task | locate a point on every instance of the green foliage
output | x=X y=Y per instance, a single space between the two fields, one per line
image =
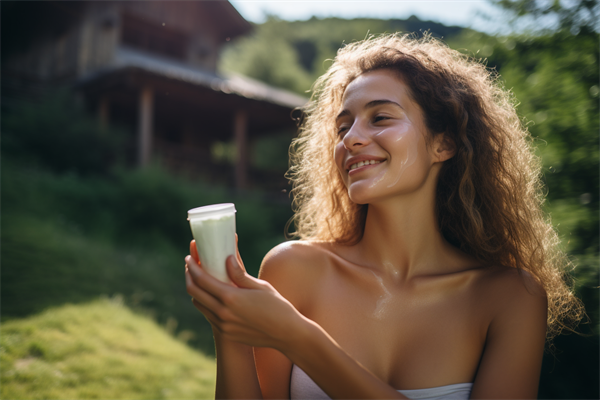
x=68 y=239
x=270 y=153
x=140 y=208
x=57 y=133
x=573 y=16
x=48 y=260
x=99 y=350
x=292 y=55
x=555 y=78
x=262 y=56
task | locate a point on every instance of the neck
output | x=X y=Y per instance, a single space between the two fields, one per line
x=402 y=238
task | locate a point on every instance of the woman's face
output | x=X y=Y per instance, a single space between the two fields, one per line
x=381 y=149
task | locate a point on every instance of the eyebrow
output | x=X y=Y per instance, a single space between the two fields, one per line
x=370 y=104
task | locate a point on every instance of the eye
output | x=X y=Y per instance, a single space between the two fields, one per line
x=342 y=129
x=379 y=118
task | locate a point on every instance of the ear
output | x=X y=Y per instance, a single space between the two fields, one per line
x=443 y=147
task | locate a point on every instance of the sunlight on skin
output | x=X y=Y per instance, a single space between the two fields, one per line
x=383 y=123
x=412 y=151
x=383 y=301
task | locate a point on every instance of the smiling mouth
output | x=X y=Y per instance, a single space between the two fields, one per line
x=362 y=164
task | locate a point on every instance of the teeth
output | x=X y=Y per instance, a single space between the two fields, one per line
x=363 y=163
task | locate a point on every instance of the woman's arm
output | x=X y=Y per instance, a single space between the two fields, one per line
x=512 y=359
x=236 y=372
x=256 y=314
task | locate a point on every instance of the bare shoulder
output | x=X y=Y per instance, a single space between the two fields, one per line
x=294 y=268
x=511 y=362
x=293 y=257
x=513 y=295
x=511 y=283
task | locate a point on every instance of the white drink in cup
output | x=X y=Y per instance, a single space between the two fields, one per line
x=213 y=228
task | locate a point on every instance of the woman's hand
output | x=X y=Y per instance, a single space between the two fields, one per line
x=249 y=310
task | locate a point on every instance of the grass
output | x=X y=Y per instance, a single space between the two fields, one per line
x=99 y=350
x=48 y=264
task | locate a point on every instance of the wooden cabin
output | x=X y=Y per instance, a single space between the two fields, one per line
x=151 y=66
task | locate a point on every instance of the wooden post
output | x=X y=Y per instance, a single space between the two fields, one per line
x=104 y=111
x=85 y=46
x=145 y=119
x=240 y=131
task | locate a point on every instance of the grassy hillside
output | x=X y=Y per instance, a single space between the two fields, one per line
x=99 y=350
x=68 y=238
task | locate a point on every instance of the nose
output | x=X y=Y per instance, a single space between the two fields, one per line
x=356 y=137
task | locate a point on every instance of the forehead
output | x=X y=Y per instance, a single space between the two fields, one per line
x=376 y=85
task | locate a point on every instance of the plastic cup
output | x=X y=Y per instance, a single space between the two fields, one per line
x=213 y=228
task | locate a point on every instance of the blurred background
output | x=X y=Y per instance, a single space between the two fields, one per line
x=118 y=117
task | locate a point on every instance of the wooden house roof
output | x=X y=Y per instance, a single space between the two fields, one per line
x=126 y=58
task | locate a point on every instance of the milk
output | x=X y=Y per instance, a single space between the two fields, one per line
x=213 y=228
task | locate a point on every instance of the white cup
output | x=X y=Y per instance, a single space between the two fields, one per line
x=213 y=228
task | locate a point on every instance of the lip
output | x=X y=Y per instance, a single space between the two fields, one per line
x=364 y=167
x=359 y=158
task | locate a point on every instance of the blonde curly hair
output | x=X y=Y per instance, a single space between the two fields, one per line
x=489 y=195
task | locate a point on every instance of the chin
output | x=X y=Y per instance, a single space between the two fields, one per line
x=361 y=195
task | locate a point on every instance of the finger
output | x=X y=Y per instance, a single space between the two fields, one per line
x=237 y=254
x=194 y=251
x=201 y=296
x=207 y=282
x=192 y=264
x=210 y=316
x=238 y=275
x=214 y=322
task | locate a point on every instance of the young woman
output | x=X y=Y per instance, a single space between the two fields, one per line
x=425 y=269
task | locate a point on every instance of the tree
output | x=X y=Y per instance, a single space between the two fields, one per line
x=571 y=15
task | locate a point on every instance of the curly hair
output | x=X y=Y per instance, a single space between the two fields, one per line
x=489 y=195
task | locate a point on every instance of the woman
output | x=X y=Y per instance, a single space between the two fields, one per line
x=425 y=268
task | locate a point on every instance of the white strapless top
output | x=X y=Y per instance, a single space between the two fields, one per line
x=302 y=387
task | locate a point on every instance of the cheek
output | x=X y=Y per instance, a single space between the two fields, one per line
x=404 y=147
x=400 y=142
x=338 y=156
x=393 y=135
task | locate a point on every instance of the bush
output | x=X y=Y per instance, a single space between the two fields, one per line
x=67 y=238
x=57 y=133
